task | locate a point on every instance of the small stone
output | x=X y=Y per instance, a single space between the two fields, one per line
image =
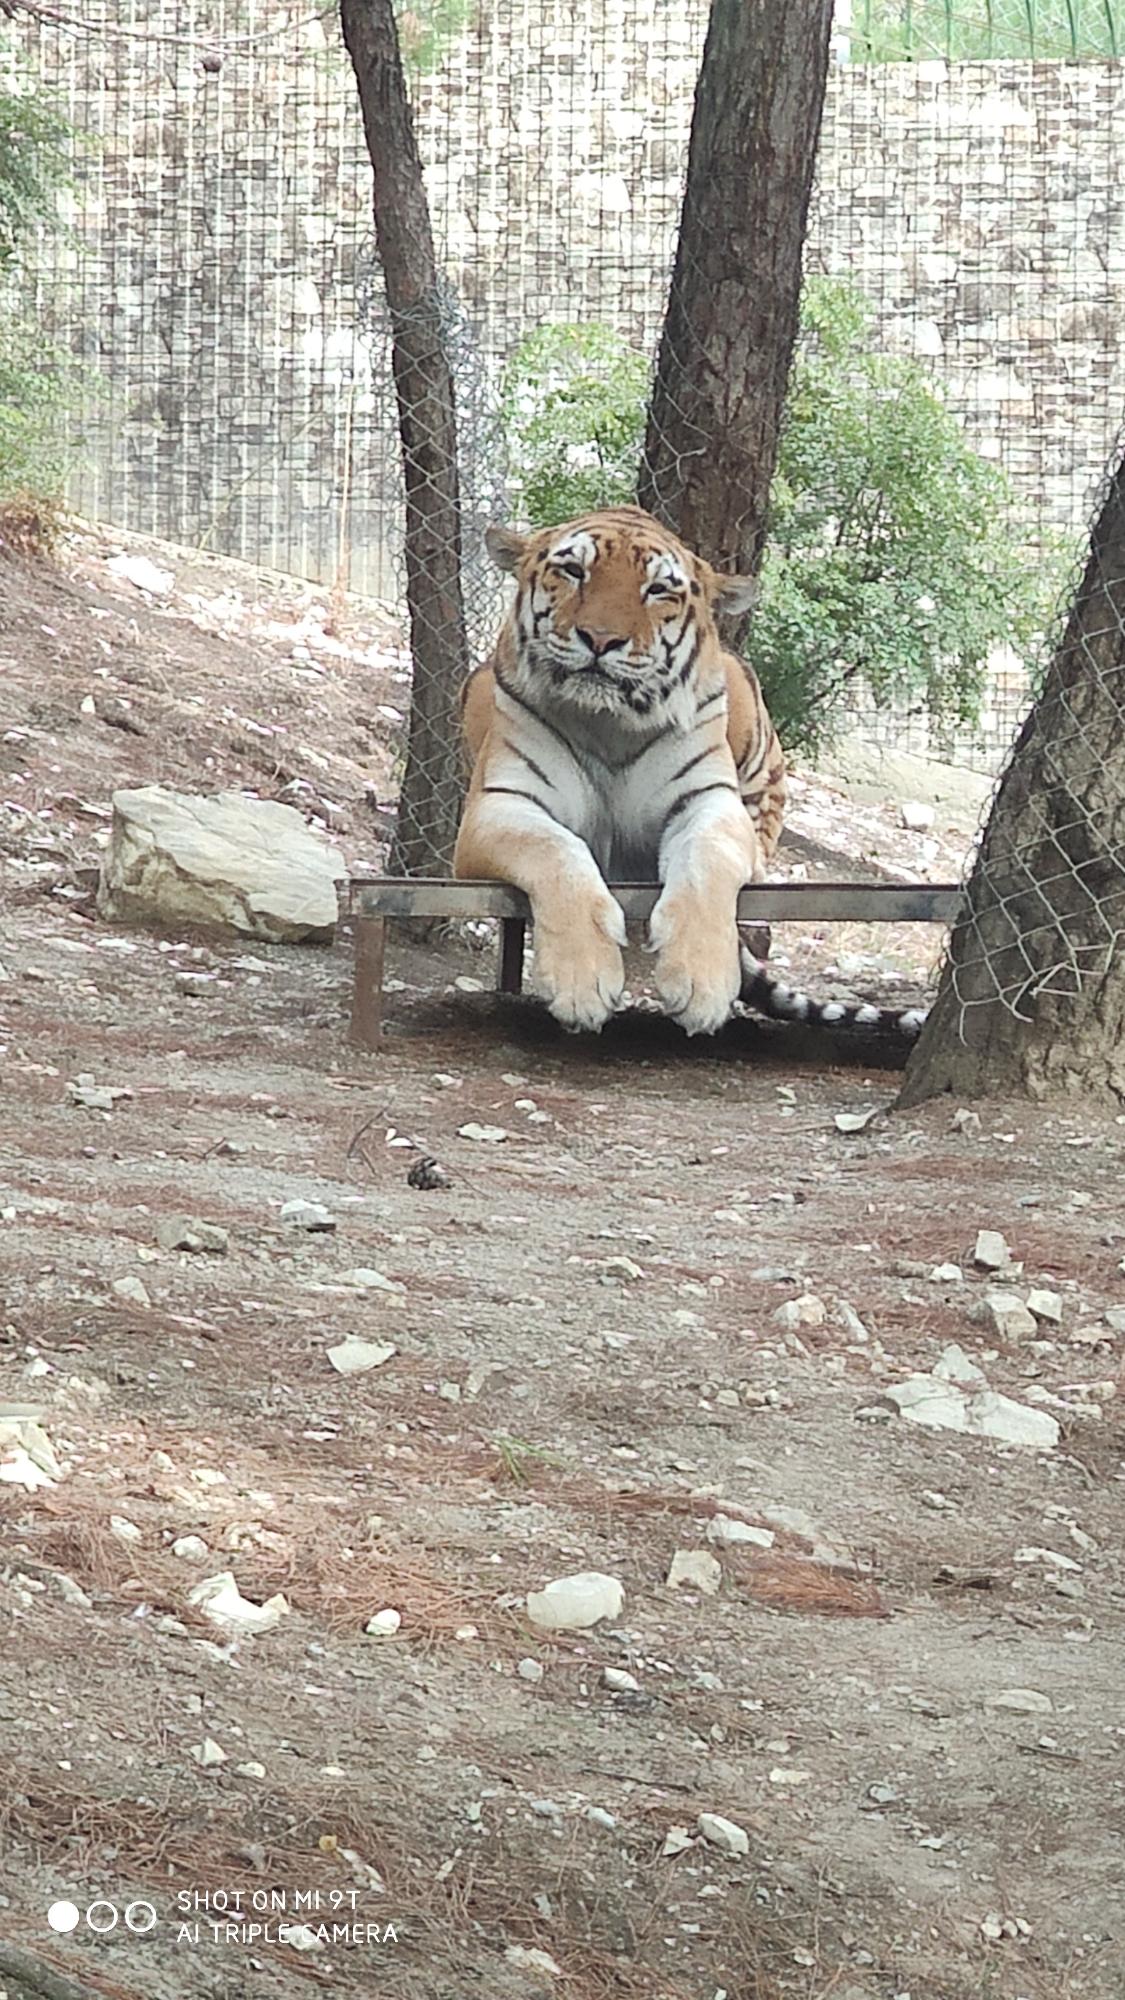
x=1025 y=1701
x=623 y=1268
x=484 y=1135
x=530 y=1670
x=854 y=1121
x=677 y=1840
x=947 y=1274
x=1115 y=1319
x=310 y=1215
x=808 y=1310
x=142 y=573
x=1046 y=1306
x=72 y=1593
x=598 y=1816
x=725 y=1834
x=619 y=1682
x=384 y=1624
x=251 y=1770
x=916 y=816
x=967 y=1123
x=302 y=1937
x=573 y=1603
x=427 y=1174
x=882 y=1795
x=726 y=1528
x=696 y=1569
x=355 y=1357
x=180 y=1232
x=125 y=1531
x=936 y=1501
x=1009 y=1316
x=363 y=1279
x=220 y=1600
x=782 y=1774
x=990 y=1251
x=528 y=1958
x=132 y=1289
x=207 y=1753
x=190 y=1548
x=1050 y=1558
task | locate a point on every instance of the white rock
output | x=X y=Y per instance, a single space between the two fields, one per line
x=995 y=1416
x=530 y=1959
x=354 y=1357
x=485 y=1135
x=1009 y=1316
x=854 y=1121
x=220 y=1600
x=1025 y=1701
x=311 y=1215
x=619 y=1682
x=725 y=1528
x=1046 y=1306
x=725 y=1834
x=207 y=1753
x=1050 y=1558
x=246 y=864
x=677 y=1840
x=783 y=1774
x=572 y=1603
x=142 y=574
x=947 y=1274
x=251 y=1770
x=384 y=1624
x=125 y=1531
x=695 y=1569
x=916 y=817
x=990 y=1251
x=954 y=1365
x=302 y=1937
x=26 y=1455
x=132 y=1289
x=363 y=1279
x=1115 y=1319
x=190 y=1548
x=808 y=1310
x=530 y=1670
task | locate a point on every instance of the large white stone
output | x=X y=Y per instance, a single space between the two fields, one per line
x=230 y=860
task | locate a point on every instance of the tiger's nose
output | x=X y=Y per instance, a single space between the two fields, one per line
x=598 y=639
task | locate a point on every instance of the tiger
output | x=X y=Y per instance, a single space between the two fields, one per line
x=611 y=737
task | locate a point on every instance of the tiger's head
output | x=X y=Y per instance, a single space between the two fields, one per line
x=613 y=614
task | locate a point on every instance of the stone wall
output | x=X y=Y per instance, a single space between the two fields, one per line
x=219 y=273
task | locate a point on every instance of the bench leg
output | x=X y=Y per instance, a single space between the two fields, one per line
x=366 y=1029
x=512 y=933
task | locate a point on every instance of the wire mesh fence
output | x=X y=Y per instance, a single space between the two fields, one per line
x=219 y=275
x=1044 y=913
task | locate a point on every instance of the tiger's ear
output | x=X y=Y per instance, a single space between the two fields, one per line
x=505 y=547
x=734 y=594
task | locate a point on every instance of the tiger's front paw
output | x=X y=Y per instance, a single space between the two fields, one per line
x=579 y=970
x=698 y=973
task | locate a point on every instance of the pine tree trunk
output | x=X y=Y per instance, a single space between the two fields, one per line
x=430 y=800
x=1032 y=996
x=731 y=321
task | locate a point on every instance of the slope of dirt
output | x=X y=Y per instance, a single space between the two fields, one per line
x=587 y=1367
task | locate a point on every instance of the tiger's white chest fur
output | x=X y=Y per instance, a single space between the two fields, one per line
x=613 y=784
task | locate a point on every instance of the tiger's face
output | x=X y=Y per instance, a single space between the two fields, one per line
x=614 y=614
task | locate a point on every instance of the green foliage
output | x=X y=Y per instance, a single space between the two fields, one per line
x=889 y=566
x=36 y=380
x=574 y=414
x=982 y=30
x=425 y=30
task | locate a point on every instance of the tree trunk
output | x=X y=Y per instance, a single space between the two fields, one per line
x=1032 y=996
x=430 y=800
x=731 y=321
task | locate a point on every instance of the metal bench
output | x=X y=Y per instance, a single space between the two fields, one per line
x=372 y=901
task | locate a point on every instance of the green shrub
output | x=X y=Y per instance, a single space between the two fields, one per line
x=37 y=383
x=890 y=563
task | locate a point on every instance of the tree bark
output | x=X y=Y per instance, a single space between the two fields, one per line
x=1032 y=996
x=715 y=413
x=432 y=786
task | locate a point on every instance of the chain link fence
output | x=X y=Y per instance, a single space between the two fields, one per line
x=967 y=239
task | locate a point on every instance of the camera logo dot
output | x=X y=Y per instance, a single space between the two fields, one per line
x=64 y=1916
x=102 y=1917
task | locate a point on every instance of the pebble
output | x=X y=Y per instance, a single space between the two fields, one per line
x=363 y=1279
x=484 y=1135
x=1115 y=1319
x=1025 y=1701
x=530 y=1670
x=916 y=816
x=1050 y=1558
x=573 y=1603
x=72 y=1593
x=528 y=1958
x=1008 y=1316
x=311 y=1215
x=725 y=1834
x=207 y=1753
x=190 y=1548
x=947 y=1274
x=384 y=1625
x=990 y=1251
x=1046 y=1306
x=355 y=1357
x=220 y=1600
x=854 y=1121
x=125 y=1531
x=620 y=1682
x=782 y=1774
x=251 y=1770
x=808 y=1310
x=131 y=1288
x=180 y=1232
x=600 y=1817
x=677 y=1840
x=725 y=1528
x=698 y=1569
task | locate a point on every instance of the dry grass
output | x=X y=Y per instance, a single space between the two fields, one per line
x=30 y=524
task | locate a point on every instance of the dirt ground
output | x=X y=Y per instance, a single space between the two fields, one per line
x=587 y=1369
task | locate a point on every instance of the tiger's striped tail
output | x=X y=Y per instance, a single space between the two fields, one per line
x=779 y=1002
